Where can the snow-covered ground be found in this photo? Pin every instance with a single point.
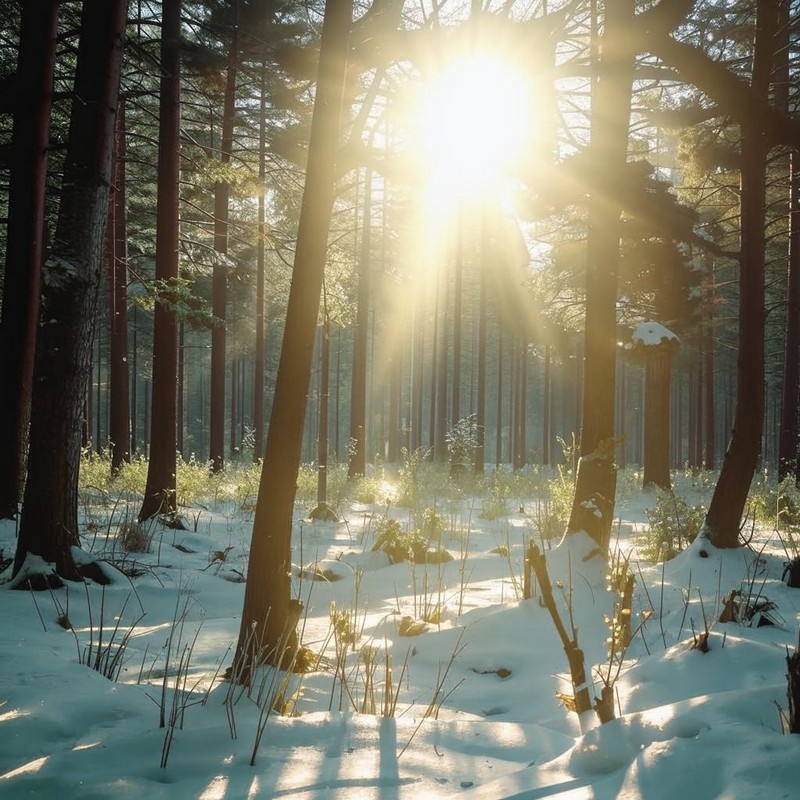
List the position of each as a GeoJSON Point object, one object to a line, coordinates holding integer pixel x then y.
{"type": "Point", "coordinates": [690, 724]}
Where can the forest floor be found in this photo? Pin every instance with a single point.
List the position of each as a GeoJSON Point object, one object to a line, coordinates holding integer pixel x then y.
{"type": "Point", "coordinates": [431, 680]}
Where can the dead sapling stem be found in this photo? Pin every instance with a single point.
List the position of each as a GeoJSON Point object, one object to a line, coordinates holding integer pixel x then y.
{"type": "Point", "coordinates": [793, 688]}
{"type": "Point", "coordinates": [575, 658]}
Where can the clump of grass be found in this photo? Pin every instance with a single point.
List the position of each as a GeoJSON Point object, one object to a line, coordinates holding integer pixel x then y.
{"type": "Point", "coordinates": [135, 537]}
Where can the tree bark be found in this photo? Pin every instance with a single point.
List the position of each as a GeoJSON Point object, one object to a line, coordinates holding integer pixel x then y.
{"type": "Point", "coordinates": [357, 464]}
{"type": "Point", "coordinates": [25, 240]}
{"type": "Point", "coordinates": [160, 488]}
{"type": "Point", "coordinates": [657, 393]}
{"type": "Point", "coordinates": [117, 245]}
{"type": "Point", "coordinates": [219, 291]}
{"type": "Point", "coordinates": [721, 526]}
{"type": "Point", "coordinates": [787, 445]}
{"type": "Point", "coordinates": [71, 279]}
{"type": "Point", "coordinates": [267, 615]}
{"type": "Point", "coordinates": [593, 503]}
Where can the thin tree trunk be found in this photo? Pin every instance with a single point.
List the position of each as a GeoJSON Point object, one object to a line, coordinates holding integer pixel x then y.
{"type": "Point", "coordinates": [260, 345]}
{"type": "Point", "coordinates": [498, 454]}
{"type": "Point", "coordinates": [710, 422]}
{"type": "Point", "coordinates": [269, 615]}
{"type": "Point", "coordinates": [25, 240]}
{"type": "Point", "coordinates": [219, 290]}
{"type": "Point", "coordinates": [546, 391]}
{"type": "Point", "coordinates": [440, 400]}
{"type": "Point", "coordinates": [458, 281]}
{"type": "Point", "coordinates": [358, 399]}
{"type": "Point", "coordinates": [119, 429]}
{"type": "Point", "coordinates": [480, 450]}
{"type": "Point", "coordinates": [49, 524]}
{"type": "Point", "coordinates": [160, 489]}
{"type": "Point", "coordinates": [324, 394]}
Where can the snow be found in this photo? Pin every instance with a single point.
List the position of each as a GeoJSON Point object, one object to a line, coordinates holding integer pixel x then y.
{"type": "Point", "coordinates": [651, 334]}
{"type": "Point", "coordinates": [690, 723]}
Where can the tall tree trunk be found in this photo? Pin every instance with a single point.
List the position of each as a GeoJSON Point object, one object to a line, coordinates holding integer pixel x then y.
{"type": "Point", "coordinates": [119, 428]}
{"type": "Point", "coordinates": [418, 375]}
{"type": "Point", "coordinates": [458, 282]}
{"type": "Point", "coordinates": [709, 421]}
{"type": "Point", "coordinates": [268, 614]}
{"type": "Point", "coordinates": [593, 503]}
{"type": "Point", "coordinates": [219, 290]}
{"type": "Point", "coordinates": [439, 402]}
{"type": "Point", "coordinates": [71, 279]}
{"type": "Point", "coordinates": [498, 453]}
{"type": "Point", "coordinates": [25, 240]}
{"type": "Point", "coordinates": [324, 394]}
{"type": "Point", "coordinates": [480, 451]}
{"type": "Point", "coordinates": [724, 515]}
{"type": "Point", "coordinates": [358, 398]}
{"type": "Point", "coordinates": [546, 405]}
{"type": "Point", "coordinates": [657, 394]}
{"type": "Point", "coordinates": [159, 494]}
{"type": "Point", "coordinates": [787, 445]}
{"type": "Point", "coordinates": [260, 345]}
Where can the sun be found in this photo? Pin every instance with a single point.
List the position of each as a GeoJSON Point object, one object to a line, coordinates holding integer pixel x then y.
{"type": "Point", "coordinates": [473, 123]}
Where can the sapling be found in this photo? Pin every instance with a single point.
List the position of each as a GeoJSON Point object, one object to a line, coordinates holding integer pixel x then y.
{"type": "Point", "coordinates": [575, 659]}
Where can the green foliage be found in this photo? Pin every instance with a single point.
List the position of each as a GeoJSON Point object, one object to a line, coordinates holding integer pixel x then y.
{"type": "Point", "coordinates": [775, 503]}
{"type": "Point", "coordinates": [433, 524]}
{"type": "Point", "coordinates": [399, 545]}
{"type": "Point", "coordinates": [674, 524]}
{"type": "Point", "coordinates": [495, 503]}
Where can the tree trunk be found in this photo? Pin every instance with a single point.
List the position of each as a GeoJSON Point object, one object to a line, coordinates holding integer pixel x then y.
{"type": "Point", "coordinates": [439, 401]}
{"type": "Point", "coordinates": [322, 437]}
{"type": "Point", "coordinates": [787, 445]}
{"type": "Point", "coordinates": [498, 453]}
{"type": "Point", "coordinates": [724, 515]}
{"type": "Point", "coordinates": [268, 613]}
{"type": "Point", "coordinates": [418, 372]}
{"type": "Point", "coordinates": [25, 241]}
{"type": "Point", "coordinates": [160, 488]}
{"type": "Point", "coordinates": [480, 450]}
{"type": "Point", "coordinates": [593, 503]}
{"type": "Point", "coordinates": [219, 291]}
{"type": "Point", "coordinates": [709, 421]}
{"type": "Point", "coordinates": [458, 281]}
{"type": "Point", "coordinates": [358, 399]}
{"type": "Point", "coordinates": [657, 393]}
{"type": "Point", "coordinates": [71, 278]}
{"type": "Point", "coordinates": [119, 427]}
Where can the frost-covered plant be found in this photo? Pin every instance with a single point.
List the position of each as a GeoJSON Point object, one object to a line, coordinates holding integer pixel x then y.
{"type": "Point", "coordinates": [674, 525]}
{"type": "Point", "coordinates": [462, 441]}
{"type": "Point", "coordinates": [433, 524]}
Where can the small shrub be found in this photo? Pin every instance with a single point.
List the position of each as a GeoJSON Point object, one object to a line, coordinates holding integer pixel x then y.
{"type": "Point", "coordinates": [462, 441]}
{"type": "Point", "coordinates": [398, 545]}
{"type": "Point", "coordinates": [775, 503]}
{"type": "Point", "coordinates": [674, 524]}
{"type": "Point", "coordinates": [433, 524]}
